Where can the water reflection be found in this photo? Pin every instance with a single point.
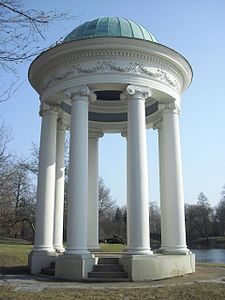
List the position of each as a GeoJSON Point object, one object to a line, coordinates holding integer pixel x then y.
{"type": "Point", "coordinates": [209, 255]}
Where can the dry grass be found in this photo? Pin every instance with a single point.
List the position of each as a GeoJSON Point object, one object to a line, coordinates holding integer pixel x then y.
{"type": "Point", "coordinates": [186, 292]}
{"type": "Point", "coordinates": [13, 259]}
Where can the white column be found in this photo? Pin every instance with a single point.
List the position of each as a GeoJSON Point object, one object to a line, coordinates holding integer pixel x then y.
{"type": "Point", "coordinates": [137, 169]}
{"type": "Point", "coordinates": [46, 180]}
{"type": "Point", "coordinates": [93, 225]}
{"type": "Point", "coordinates": [59, 187]}
{"type": "Point", "coordinates": [174, 233]}
{"type": "Point", "coordinates": [78, 173]}
{"type": "Point", "coordinates": [158, 125]}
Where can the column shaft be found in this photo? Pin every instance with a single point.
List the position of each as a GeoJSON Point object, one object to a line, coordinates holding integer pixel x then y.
{"type": "Point", "coordinates": [46, 182]}
{"type": "Point", "coordinates": [93, 226]}
{"type": "Point", "coordinates": [78, 178]}
{"type": "Point", "coordinates": [59, 189]}
{"type": "Point", "coordinates": [174, 235]}
{"type": "Point", "coordinates": [161, 183]}
{"type": "Point", "coordinates": [137, 168]}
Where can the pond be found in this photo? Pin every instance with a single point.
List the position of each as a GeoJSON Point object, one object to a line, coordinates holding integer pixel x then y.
{"type": "Point", "coordinates": [209, 255]}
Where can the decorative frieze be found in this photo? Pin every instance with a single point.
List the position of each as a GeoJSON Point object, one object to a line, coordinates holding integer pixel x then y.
{"type": "Point", "coordinates": [109, 66]}
{"type": "Point", "coordinates": [68, 59]}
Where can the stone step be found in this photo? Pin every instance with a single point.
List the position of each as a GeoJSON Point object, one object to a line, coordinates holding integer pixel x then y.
{"type": "Point", "coordinates": [103, 280]}
{"type": "Point", "coordinates": [108, 260]}
{"type": "Point", "coordinates": [107, 268]}
{"type": "Point", "coordinates": [116, 275]}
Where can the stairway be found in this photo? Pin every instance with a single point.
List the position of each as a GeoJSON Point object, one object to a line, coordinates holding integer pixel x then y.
{"type": "Point", "coordinates": [108, 269]}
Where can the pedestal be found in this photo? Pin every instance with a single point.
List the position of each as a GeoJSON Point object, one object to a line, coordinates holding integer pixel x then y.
{"type": "Point", "coordinates": [38, 260]}
{"type": "Point", "coordinates": [74, 267]}
{"type": "Point", "coordinates": [157, 266]}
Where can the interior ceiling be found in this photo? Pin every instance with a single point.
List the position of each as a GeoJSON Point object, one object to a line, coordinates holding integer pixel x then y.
{"type": "Point", "coordinates": [108, 95]}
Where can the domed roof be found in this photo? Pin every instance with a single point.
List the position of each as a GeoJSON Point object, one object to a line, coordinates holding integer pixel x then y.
{"type": "Point", "coordinates": [110, 27]}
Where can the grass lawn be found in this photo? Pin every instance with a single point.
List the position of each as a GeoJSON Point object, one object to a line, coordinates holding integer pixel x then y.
{"type": "Point", "coordinates": [113, 247]}
{"type": "Point", "coordinates": [13, 256]}
{"type": "Point", "coordinates": [14, 253]}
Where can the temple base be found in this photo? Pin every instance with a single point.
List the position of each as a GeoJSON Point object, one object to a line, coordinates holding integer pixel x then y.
{"type": "Point", "coordinates": [155, 267]}
{"type": "Point", "coordinates": [74, 266]}
{"type": "Point", "coordinates": [38, 260]}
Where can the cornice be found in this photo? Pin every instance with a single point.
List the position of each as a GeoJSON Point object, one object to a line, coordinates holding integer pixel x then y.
{"type": "Point", "coordinates": [114, 46]}
{"type": "Point", "coordinates": [174, 65]}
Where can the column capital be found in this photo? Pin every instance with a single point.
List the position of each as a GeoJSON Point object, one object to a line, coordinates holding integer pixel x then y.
{"type": "Point", "coordinates": [173, 107]}
{"type": "Point", "coordinates": [95, 133]}
{"type": "Point", "coordinates": [81, 93]}
{"type": "Point", "coordinates": [138, 91]}
{"type": "Point", "coordinates": [124, 132]}
{"type": "Point", "coordinates": [48, 108]}
{"type": "Point", "coordinates": [158, 123]}
{"type": "Point", "coordinates": [61, 125]}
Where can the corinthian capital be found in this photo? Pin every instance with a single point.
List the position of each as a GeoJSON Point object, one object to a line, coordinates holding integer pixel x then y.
{"type": "Point", "coordinates": [80, 93]}
{"type": "Point", "coordinates": [61, 124]}
{"type": "Point", "coordinates": [48, 108]}
{"type": "Point", "coordinates": [158, 124]}
{"type": "Point", "coordinates": [137, 91]}
{"type": "Point", "coordinates": [173, 107]}
{"type": "Point", "coordinates": [95, 133]}
{"type": "Point", "coordinates": [124, 132]}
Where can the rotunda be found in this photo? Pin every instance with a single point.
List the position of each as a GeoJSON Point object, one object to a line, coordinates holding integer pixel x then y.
{"type": "Point", "coordinates": [109, 75]}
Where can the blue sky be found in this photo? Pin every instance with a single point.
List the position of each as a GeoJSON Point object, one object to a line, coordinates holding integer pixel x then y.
{"type": "Point", "coordinates": [193, 28]}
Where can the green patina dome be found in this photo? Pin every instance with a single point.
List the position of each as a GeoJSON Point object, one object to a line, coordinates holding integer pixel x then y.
{"type": "Point", "coordinates": [110, 27]}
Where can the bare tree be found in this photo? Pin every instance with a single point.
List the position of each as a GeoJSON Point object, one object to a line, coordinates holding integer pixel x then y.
{"type": "Point", "coordinates": [194, 227]}
{"type": "Point", "coordinates": [107, 207]}
{"type": "Point", "coordinates": [119, 224]}
{"type": "Point", "coordinates": [220, 213]}
{"type": "Point", "coordinates": [5, 138]}
{"type": "Point", "coordinates": [17, 200]}
{"type": "Point", "coordinates": [21, 31]}
{"type": "Point", "coordinates": [32, 163]}
{"type": "Point", "coordinates": [155, 223]}
{"type": "Point", "coordinates": [205, 214]}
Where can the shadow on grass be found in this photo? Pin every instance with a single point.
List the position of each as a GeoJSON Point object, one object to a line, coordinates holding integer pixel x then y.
{"type": "Point", "coordinates": [14, 270]}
